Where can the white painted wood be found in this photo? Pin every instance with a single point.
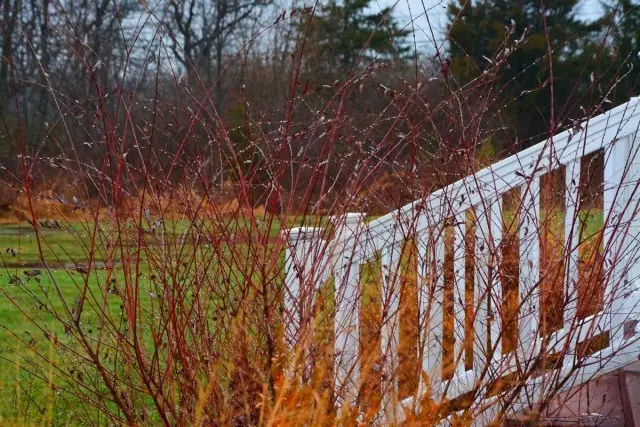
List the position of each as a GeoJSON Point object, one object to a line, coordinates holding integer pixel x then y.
{"type": "Point", "coordinates": [305, 262]}
{"type": "Point", "coordinates": [486, 414]}
{"type": "Point", "coordinates": [632, 184]}
{"type": "Point", "coordinates": [424, 303]}
{"type": "Point", "coordinates": [579, 331]}
{"type": "Point", "coordinates": [629, 302]}
{"type": "Point", "coordinates": [292, 303]}
{"type": "Point", "coordinates": [461, 383]}
{"type": "Point", "coordinates": [459, 304]}
{"type": "Point", "coordinates": [431, 307]}
{"type": "Point", "coordinates": [347, 316]}
{"type": "Point", "coordinates": [613, 237]}
{"type": "Point", "coordinates": [481, 286]}
{"type": "Point", "coordinates": [529, 292]}
{"type": "Point", "coordinates": [591, 368]}
{"type": "Point", "coordinates": [626, 300]}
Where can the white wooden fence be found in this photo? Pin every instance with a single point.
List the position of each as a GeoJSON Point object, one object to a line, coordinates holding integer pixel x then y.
{"type": "Point", "coordinates": [312, 258]}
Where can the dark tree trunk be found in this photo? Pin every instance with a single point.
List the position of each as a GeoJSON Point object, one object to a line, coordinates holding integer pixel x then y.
{"type": "Point", "coordinates": [8, 27]}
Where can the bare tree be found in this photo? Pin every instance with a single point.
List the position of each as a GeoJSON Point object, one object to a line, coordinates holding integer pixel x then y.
{"type": "Point", "coordinates": [9, 23]}
{"type": "Point", "coordinates": [205, 29]}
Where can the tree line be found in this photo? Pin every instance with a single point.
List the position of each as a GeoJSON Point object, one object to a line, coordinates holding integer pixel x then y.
{"type": "Point", "coordinates": [245, 66]}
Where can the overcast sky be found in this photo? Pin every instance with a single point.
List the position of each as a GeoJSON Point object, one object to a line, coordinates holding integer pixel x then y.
{"type": "Point", "coordinates": [588, 9]}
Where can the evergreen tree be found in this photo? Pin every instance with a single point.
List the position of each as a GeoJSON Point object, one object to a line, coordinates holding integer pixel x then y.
{"type": "Point", "coordinates": [622, 22]}
{"type": "Point", "coordinates": [340, 33]}
{"type": "Point", "coordinates": [480, 32]}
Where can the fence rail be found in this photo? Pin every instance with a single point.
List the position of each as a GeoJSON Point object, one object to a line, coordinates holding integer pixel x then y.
{"type": "Point", "coordinates": [440, 227]}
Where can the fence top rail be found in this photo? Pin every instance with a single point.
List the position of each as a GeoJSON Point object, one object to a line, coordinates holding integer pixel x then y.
{"type": "Point", "coordinates": [586, 137]}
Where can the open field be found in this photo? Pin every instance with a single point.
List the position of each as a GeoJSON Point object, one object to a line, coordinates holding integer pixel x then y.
{"type": "Point", "coordinates": [40, 293]}
{"type": "Point", "coordinates": [28, 330]}
{"type": "Point", "coordinates": [25, 329]}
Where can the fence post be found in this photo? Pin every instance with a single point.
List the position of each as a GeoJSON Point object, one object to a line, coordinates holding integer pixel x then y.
{"type": "Point", "coordinates": [305, 268]}
{"type": "Point", "coordinates": [347, 302]}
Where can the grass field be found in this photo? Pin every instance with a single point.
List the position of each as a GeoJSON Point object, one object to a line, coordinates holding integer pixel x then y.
{"type": "Point", "coordinates": [25, 328]}
{"type": "Point", "coordinates": [29, 285]}
{"type": "Point", "coordinates": [33, 286]}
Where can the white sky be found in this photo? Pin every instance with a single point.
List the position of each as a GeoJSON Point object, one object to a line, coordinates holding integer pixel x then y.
{"type": "Point", "coordinates": [588, 9]}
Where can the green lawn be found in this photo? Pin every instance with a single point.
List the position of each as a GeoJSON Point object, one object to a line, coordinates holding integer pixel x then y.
{"type": "Point", "coordinates": [72, 242]}
{"type": "Point", "coordinates": [33, 287]}
{"type": "Point", "coordinates": [27, 329]}
{"type": "Point", "coordinates": [28, 297]}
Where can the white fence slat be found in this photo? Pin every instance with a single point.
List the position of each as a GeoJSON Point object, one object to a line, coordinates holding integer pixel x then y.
{"type": "Point", "coordinates": [430, 300]}
{"type": "Point", "coordinates": [480, 291]}
{"type": "Point", "coordinates": [424, 302]}
{"type": "Point", "coordinates": [459, 305]}
{"type": "Point", "coordinates": [347, 333]}
{"type": "Point", "coordinates": [292, 302]}
{"type": "Point", "coordinates": [305, 259]}
{"type": "Point", "coordinates": [613, 236]}
{"type": "Point", "coordinates": [431, 307]}
{"type": "Point", "coordinates": [347, 317]}
{"type": "Point", "coordinates": [631, 304]}
{"type": "Point", "coordinates": [495, 292]}
{"type": "Point", "coordinates": [529, 292]}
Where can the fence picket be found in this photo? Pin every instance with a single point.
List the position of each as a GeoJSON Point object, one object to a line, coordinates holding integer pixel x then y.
{"type": "Point", "coordinates": [428, 303]}
{"type": "Point", "coordinates": [306, 268]}
{"type": "Point", "coordinates": [459, 253]}
{"type": "Point", "coordinates": [481, 290]}
{"type": "Point", "coordinates": [347, 317]}
{"type": "Point", "coordinates": [613, 236]}
{"type": "Point", "coordinates": [431, 252]}
{"type": "Point", "coordinates": [495, 291]}
{"type": "Point", "coordinates": [529, 292]}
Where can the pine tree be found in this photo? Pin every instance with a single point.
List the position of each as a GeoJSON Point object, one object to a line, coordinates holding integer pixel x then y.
{"type": "Point", "coordinates": [346, 35]}
{"type": "Point", "coordinates": [622, 22]}
{"type": "Point", "coordinates": [479, 32]}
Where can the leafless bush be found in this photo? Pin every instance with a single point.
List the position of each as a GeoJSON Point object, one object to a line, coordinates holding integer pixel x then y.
{"type": "Point", "coordinates": [173, 305]}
